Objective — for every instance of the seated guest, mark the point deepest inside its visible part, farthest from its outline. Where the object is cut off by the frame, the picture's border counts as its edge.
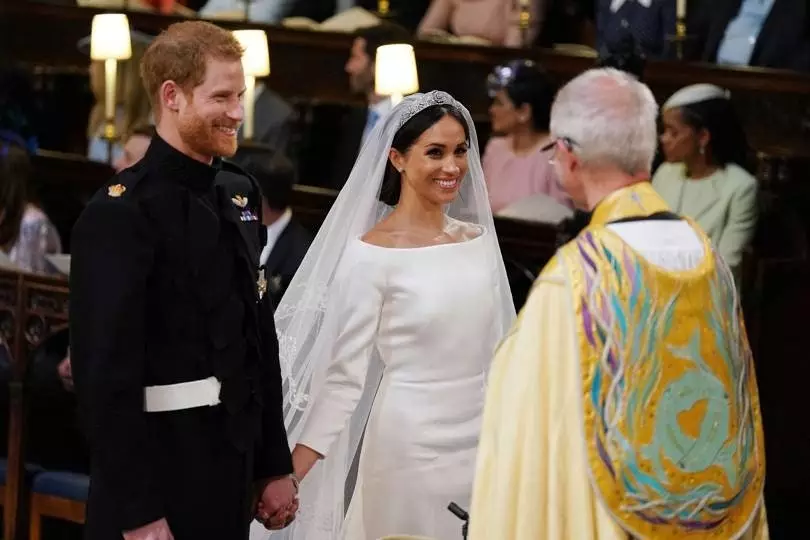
(648, 21)
(26, 233)
(762, 33)
(705, 176)
(263, 11)
(287, 240)
(355, 124)
(515, 165)
(135, 147)
(495, 21)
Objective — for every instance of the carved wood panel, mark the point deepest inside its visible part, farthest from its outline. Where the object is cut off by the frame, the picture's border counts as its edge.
(9, 309)
(45, 309)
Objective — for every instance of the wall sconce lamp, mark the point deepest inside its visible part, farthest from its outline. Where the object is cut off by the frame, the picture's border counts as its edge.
(110, 42)
(395, 73)
(256, 63)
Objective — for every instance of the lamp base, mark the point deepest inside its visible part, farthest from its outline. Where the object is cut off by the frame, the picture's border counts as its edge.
(111, 137)
(385, 15)
(680, 47)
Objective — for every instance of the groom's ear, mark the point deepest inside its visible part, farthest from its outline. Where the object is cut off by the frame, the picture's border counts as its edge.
(397, 159)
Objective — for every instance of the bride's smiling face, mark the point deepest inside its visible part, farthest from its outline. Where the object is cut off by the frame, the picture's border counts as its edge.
(434, 166)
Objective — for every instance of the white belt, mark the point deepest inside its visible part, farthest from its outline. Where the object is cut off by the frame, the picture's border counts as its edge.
(187, 395)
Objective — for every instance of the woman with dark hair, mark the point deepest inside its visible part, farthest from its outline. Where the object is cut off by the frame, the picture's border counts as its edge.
(515, 165)
(387, 331)
(705, 176)
(26, 233)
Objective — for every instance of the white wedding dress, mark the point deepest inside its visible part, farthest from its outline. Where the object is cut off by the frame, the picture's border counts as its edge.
(428, 313)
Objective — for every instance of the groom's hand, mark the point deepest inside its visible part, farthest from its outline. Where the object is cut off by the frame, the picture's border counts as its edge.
(276, 499)
(280, 519)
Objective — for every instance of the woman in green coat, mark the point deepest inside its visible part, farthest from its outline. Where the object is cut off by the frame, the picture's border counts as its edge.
(705, 176)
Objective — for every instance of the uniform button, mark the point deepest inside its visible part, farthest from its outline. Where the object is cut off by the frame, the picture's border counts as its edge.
(625, 24)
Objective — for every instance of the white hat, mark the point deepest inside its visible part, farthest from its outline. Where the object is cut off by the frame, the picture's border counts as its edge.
(695, 93)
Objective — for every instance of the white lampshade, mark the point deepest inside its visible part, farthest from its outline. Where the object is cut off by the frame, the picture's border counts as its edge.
(110, 39)
(395, 70)
(256, 60)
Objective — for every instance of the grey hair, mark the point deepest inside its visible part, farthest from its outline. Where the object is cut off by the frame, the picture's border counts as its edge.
(610, 117)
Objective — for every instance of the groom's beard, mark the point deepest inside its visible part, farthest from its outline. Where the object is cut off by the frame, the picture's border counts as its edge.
(206, 137)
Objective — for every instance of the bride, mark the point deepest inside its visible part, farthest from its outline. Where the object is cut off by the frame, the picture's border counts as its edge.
(387, 331)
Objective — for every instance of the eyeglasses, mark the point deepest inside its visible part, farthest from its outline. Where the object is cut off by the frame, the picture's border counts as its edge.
(568, 142)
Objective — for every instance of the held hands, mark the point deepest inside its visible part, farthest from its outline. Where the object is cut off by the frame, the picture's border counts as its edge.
(157, 530)
(278, 503)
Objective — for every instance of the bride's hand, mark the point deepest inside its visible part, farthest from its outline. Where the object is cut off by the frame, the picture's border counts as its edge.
(304, 458)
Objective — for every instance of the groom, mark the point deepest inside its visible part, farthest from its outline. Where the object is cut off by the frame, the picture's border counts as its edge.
(174, 350)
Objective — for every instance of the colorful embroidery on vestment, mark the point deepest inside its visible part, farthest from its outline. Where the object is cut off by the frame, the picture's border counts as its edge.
(671, 408)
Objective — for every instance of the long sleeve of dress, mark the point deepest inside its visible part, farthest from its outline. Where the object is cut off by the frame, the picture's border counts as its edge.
(354, 307)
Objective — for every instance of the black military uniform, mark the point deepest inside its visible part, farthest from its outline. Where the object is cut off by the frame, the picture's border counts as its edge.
(166, 289)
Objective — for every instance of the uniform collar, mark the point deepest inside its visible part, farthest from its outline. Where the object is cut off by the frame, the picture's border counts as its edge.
(176, 166)
(637, 200)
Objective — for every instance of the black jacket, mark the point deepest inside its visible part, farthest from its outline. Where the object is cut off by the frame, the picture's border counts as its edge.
(163, 290)
(285, 258)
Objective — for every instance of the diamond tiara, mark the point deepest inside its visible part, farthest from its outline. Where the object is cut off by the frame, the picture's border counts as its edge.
(417, 104)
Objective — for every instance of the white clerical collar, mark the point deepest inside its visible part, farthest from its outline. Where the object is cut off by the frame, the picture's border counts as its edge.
(616, 5)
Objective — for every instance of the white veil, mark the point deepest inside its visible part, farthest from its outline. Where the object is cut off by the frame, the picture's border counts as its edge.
(306, 343)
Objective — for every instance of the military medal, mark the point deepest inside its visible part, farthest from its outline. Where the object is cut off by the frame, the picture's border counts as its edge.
(247, 215)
